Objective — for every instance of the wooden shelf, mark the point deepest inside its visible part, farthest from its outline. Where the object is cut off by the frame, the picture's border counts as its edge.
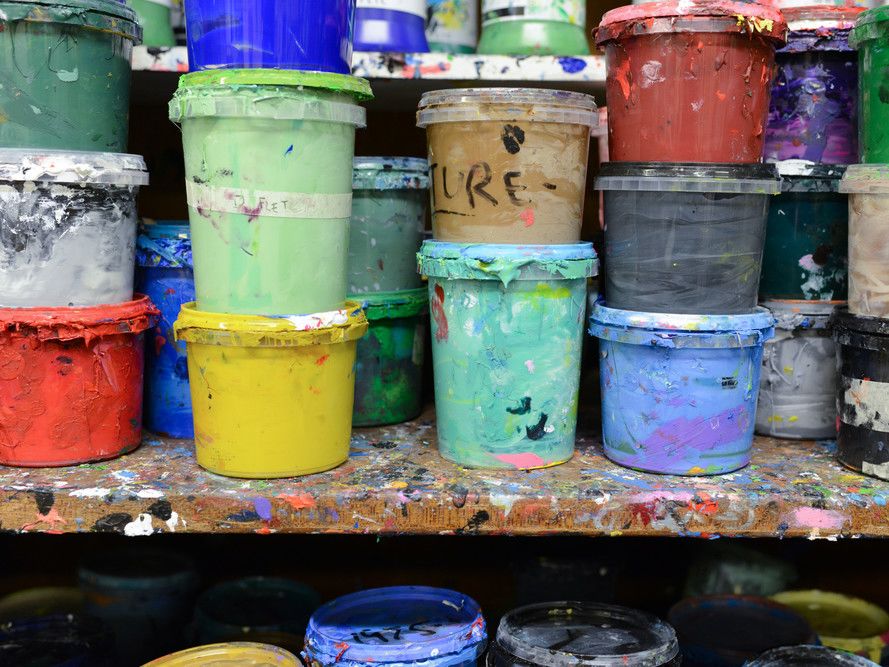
(396, 483)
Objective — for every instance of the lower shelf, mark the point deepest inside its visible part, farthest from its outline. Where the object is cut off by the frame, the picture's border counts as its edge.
(396, 483)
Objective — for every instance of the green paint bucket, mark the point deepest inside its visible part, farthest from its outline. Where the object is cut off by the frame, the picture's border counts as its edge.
(66, 83)
(389, 370)
(268, 167)
(389, 196)
(507, 331)
(157, 29)
(871, 37)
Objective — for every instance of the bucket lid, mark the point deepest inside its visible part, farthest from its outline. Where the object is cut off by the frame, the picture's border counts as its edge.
(869, 25)
(206, 328)
(82, 167)
(488, 261)
(138, 569)
(498, 104)
(164, 244)
(330, 81)
(106, 15)
(689, 177)
(391, 305)
(863, 331)
(233, 654)
(866, 178)
(835, 615)
(390, 173)
(819, 28)
(585, 634)
(807, 655)
(807, 176)
(419, 624)
(799, 314)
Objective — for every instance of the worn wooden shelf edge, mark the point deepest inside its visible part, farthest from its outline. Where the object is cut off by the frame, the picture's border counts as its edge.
(396, 483)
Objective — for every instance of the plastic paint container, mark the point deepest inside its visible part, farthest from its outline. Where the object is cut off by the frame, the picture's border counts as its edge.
(391, 25)
(813, 113)
(72, 388)
(725, 567)
(291, 35)
(809, 656)
(842, 622)
(272, 396)
(145, 597)
(807, 235)
(163, 255)
(685, 238)
(399, 625)
(507, 331)
(797, 390)
(534, 28)
(679, 391)
(688, 81)
(508, 165)
(389, 370)
(389, 196)
(728, 630)
(870, 38)
(67, 227)
(234, 654)
(452, 26)
(61, 640)
(268, 164)
(563, 634)
(40, 601)
(157, 27)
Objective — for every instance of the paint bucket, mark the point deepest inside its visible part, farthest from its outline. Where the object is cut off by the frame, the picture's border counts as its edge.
(71, 98)
(389, 370)
(67, 227)
(868, 188)
(534, 28)
(255, 609)
(234, 654)
(61, 640)
(452, 25)
(268, 164)
(292, 35)
(869, 36)
(508, 165)
(272, 396)
(679, 391)
(688, 81)
(797, 389)
(559, 634)
(71, 391)
(728, 630)
(163, 255)
(391, 25)
(507, 331)
(807, 235)
(725, 568)
(685, 238)
(842, 622)
(144, 596)
(154, 15)
(389, 196)
(809, 656)
(399, 625)
(813, 112)
(40, 601)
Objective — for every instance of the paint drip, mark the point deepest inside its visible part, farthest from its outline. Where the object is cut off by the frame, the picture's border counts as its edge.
(869, 36)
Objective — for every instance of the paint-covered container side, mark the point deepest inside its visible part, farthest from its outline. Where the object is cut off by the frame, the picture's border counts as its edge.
(529, 28)
(452, 25)
(390, 173)
(388, 25)
(809, 656)
(243, 654)
(157, 28)
(869, 37)
(67, 639)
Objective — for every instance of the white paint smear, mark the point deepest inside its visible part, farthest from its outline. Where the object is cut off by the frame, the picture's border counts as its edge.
(268, 203)
(871, 401)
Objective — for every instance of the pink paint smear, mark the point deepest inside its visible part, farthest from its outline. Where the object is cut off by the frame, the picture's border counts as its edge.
(522, 461)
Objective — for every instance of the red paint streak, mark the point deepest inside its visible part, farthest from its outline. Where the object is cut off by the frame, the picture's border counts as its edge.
(647, 512)
(320, 360)
(342, 647)
(299, 501)
(704, 504)
(438, 314)
(621, 75)
(170, 291)
(159, 342)
(720, 95)
(528, 216)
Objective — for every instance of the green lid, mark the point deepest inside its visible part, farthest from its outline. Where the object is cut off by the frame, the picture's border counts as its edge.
(391, 305)
(105, 15)
(869, 25)
(337, 83)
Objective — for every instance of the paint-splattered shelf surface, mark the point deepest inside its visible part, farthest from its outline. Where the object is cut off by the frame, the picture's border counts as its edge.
(395, 482)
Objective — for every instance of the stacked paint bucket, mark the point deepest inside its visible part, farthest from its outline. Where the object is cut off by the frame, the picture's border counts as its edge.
(811, 136)
(71, 329)
(686, 198)
(268, 127)
(507, 271)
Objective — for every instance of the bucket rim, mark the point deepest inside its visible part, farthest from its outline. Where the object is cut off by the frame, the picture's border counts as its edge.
(181, 569)
(757, 319)
(394, 304)
(799, 314)
(543, 105)
(860, 324)
(390, 173)
(115, 10)
(198, 655)
(839, 602)
(796, 174)
(870, 178)
(776, 657)
(165, 229)
(132, 316)
(867, 24)
(754, 178)
(332, 82)
(494, 261)
(76, 167)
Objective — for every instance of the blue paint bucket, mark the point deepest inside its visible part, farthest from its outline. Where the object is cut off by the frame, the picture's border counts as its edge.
(60, 640)
(164, 273)
(679, 391)
(391, 25)
(400, 625)
(296, 34)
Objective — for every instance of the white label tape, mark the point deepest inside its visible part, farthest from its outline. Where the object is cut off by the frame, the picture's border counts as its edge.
(267, 203)
(866, 403)
(415, 7)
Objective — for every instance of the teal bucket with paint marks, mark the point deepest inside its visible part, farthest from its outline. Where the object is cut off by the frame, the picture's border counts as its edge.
(389, 369)
(507, 332)
(65, 83)
(389, 196)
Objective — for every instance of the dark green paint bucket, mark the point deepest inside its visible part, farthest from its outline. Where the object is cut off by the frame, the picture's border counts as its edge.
(871, 37)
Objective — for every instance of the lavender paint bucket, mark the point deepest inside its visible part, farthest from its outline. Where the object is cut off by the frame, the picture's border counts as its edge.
(679, 391)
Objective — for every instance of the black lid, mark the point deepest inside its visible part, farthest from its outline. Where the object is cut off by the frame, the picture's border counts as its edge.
(757, 171)
(876, 326)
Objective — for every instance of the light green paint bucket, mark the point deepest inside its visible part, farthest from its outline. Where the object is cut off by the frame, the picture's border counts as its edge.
(157, 29)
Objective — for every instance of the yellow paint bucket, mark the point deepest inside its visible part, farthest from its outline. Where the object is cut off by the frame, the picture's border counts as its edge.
(272, 396)
(235, 654)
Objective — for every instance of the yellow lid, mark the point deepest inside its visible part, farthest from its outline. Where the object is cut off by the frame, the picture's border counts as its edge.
(833, 615)
(235, 654)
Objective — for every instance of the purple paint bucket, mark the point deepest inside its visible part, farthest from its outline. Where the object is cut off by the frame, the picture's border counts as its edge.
(391, 25)
(679, 391)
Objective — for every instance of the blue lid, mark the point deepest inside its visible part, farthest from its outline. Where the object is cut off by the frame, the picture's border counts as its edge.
(164, 244)
(390, 173)
(397, 626)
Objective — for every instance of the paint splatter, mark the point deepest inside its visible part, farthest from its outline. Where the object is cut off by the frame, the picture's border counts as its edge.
(438, 314)
(523, 408)
(513, 137)
(523, 461)
(572, 65)
(536, 432)
(527, 216)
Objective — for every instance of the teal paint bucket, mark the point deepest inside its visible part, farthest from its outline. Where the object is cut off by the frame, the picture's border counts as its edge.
(507, 332)
(389, 196)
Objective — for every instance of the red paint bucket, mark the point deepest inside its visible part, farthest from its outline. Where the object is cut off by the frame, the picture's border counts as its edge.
(689, 81)
(71, 382)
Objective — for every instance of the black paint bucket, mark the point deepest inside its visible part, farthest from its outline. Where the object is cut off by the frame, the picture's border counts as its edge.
(685, 238)
(809, 656)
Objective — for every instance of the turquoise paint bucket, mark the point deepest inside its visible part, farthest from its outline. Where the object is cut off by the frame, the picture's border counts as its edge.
(389, 196)
(507, 332)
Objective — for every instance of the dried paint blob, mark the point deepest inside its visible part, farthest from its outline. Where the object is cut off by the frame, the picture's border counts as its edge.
(534, 27)
(232, 654)
(809, 656)
(870, 38)
(399, 625)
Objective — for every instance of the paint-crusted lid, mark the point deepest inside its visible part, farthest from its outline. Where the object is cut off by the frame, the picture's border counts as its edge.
(837, 615)
(807, 176)
(689, 177)
(500, 104)
(396, 626)
(870, 25)
(798, 314)
(870, 333)
(60, 639)
(808, 655)
(585, 634)
(866, 178)
(329, 81)
(390, 173)
(235, 654)
(165, 243)
(819, 28)
(391, 305)
(105, 15)
(82, 167)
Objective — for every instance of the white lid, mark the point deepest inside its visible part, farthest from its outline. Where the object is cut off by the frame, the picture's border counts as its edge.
(85, 167)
